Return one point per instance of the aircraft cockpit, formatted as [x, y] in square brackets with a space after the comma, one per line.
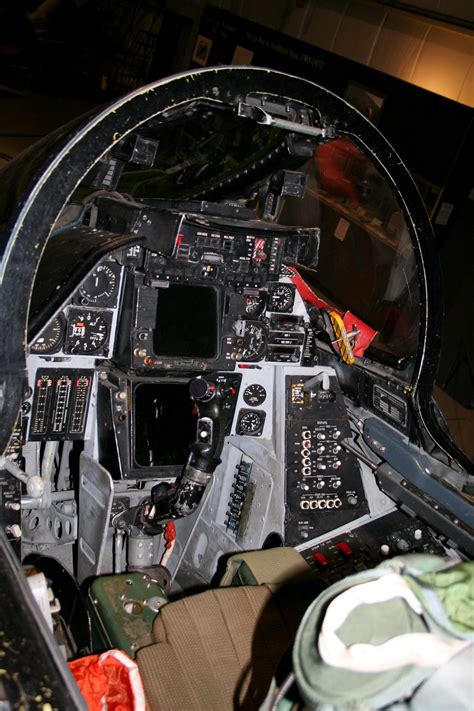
[221, 309]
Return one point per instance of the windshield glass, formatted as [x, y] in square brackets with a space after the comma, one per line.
[367, 262]
[198, 147]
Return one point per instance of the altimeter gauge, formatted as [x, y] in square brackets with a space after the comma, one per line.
[87, 331]
[100, 285]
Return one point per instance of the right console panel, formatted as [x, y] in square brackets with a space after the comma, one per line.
[323, 483]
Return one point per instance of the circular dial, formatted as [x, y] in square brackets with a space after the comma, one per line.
[281, 298]
[251, 422]
[87, 332]
[254, 304]
[254, 395]
[50, 337]
[101, 284]
[254, 341]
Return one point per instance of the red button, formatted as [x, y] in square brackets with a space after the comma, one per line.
[320, 559]
[344, 548]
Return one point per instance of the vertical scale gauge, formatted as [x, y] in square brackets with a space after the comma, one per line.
[80, 403]
[62, 403]
[41, 404]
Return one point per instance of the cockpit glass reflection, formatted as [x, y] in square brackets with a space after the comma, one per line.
[367, 262]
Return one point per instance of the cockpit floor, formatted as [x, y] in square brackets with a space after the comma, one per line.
[187, 582]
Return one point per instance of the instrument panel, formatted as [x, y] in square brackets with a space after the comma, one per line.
[86, 323]
[118, 357]
[221, 298]
[217, 300]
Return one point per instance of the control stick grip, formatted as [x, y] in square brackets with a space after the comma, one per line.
[201, 391]
[202, 460]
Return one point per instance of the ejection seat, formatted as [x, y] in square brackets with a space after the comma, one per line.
[219, 650]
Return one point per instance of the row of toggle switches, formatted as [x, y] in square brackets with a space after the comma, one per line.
[326, 449]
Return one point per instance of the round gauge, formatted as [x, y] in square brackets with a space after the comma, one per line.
[281, 298]
[251, 423]
[254, 304]
[254, 395]
[254, 341]
[50, 337]
[101, 284]
[87, 332]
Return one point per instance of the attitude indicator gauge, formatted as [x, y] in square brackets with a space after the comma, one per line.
[87, 331]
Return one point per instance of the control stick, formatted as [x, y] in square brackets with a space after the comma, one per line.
[183, 499]
[203, 456]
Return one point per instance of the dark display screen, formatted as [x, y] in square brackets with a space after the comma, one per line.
[186, 322]
[164, 422]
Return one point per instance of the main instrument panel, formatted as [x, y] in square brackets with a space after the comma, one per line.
[114, 363]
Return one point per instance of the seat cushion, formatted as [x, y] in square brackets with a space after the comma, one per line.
[274, 566]
[219, 649]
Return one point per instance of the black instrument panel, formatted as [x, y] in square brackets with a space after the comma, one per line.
[223, 271]
[321, 477]
[60, 403]
[205, 305]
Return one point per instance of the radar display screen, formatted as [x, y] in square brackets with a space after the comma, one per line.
[186, 322]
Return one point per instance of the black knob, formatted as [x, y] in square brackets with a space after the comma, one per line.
[200, 389]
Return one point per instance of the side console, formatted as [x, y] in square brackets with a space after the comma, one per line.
[323, 484]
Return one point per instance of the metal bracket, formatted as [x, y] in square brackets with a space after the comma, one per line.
[299, 121]
[418, 468]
